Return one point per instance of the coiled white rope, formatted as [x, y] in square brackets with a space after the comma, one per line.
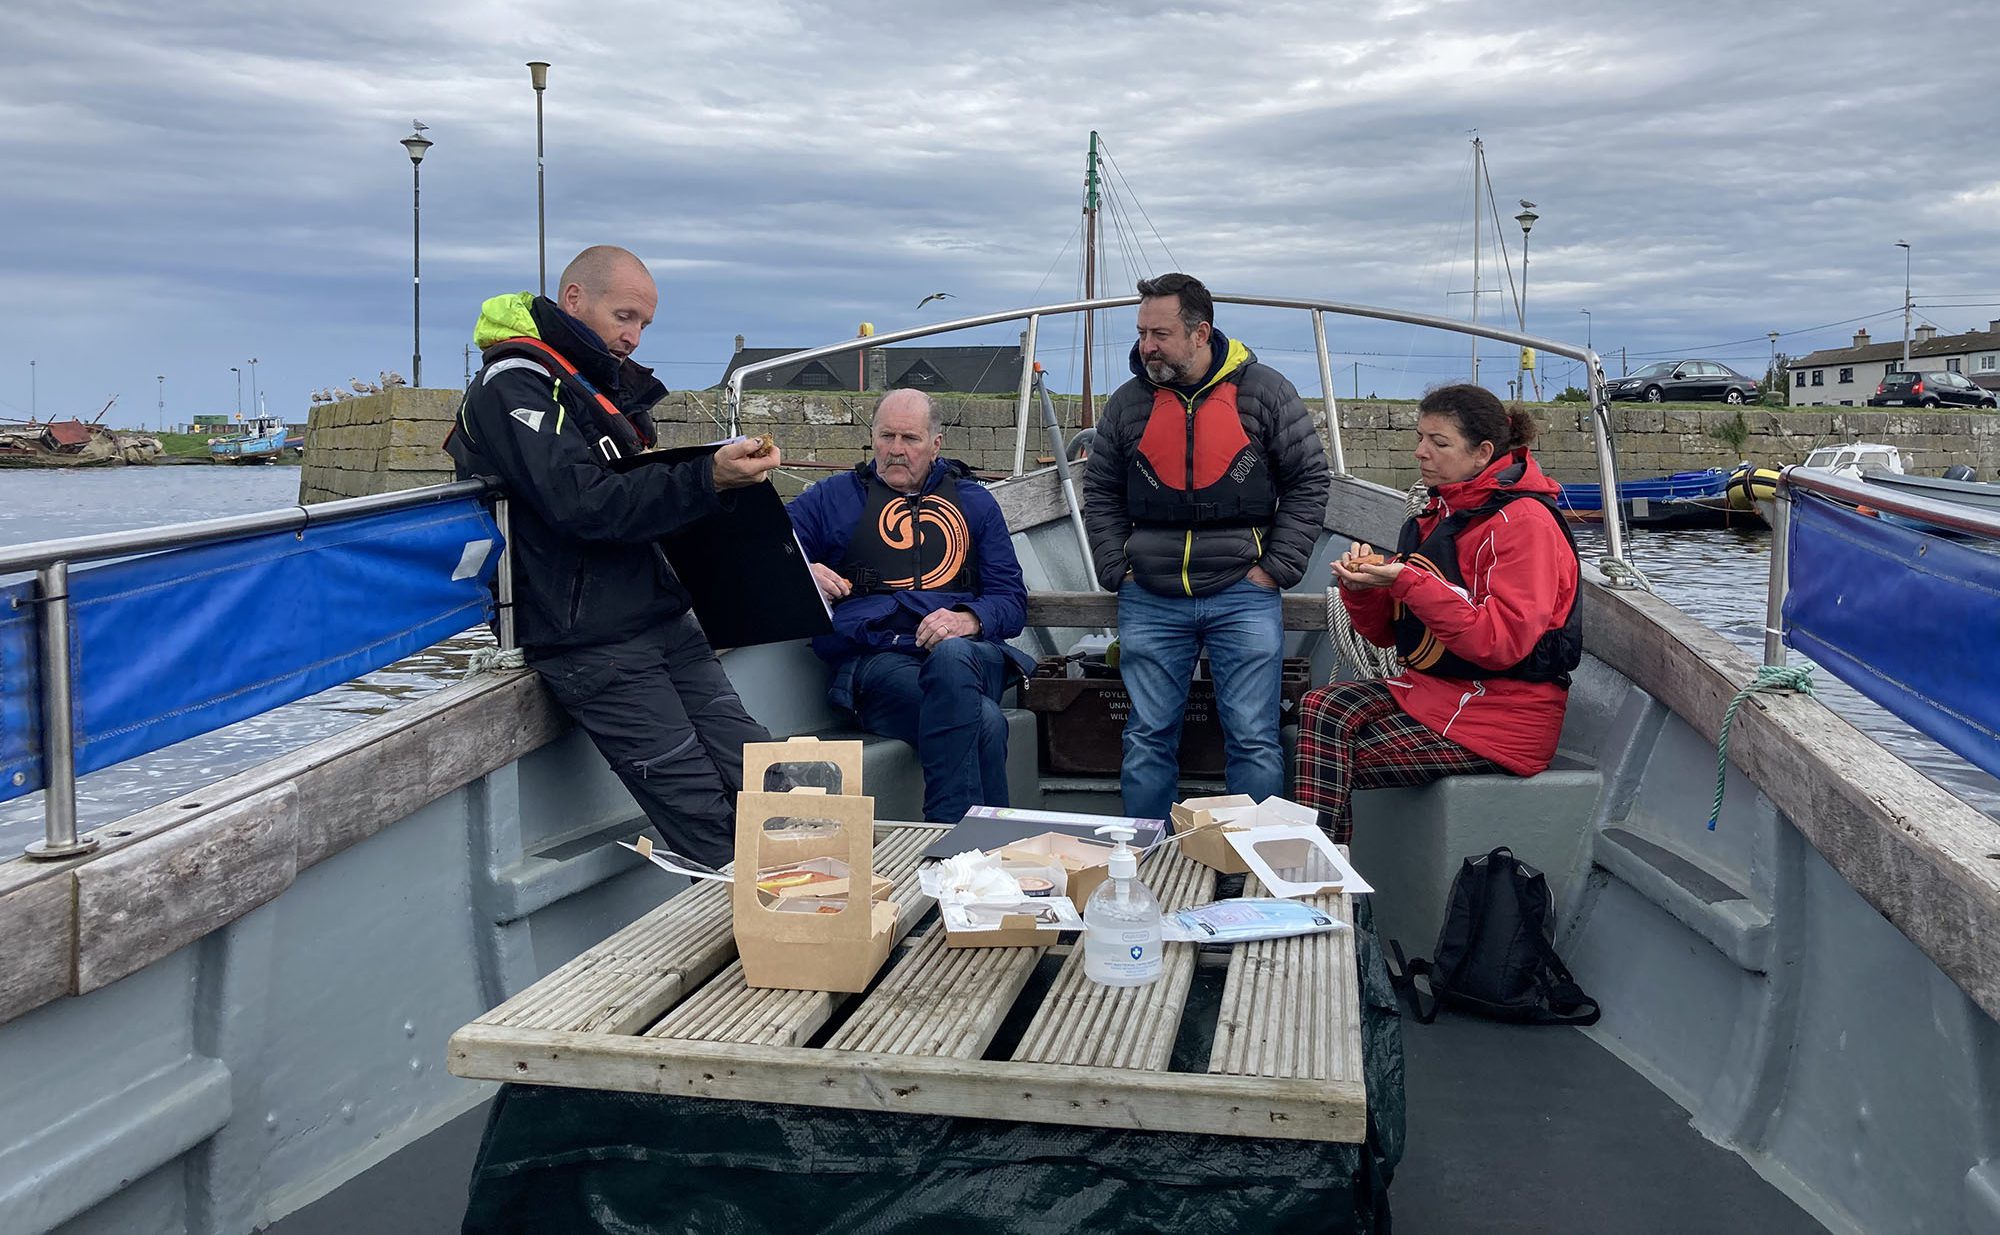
[490, 660]
[1363, 657]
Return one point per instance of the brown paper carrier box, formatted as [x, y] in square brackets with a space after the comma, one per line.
[807, 951]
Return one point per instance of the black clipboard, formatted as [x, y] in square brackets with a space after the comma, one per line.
[742, 566]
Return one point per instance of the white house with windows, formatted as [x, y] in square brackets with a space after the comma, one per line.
[1848, 376]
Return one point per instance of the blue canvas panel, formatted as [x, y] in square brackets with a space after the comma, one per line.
[1906, 618]
[176, 644]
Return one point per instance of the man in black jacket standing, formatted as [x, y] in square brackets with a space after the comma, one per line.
[1205, 492]
[598, 611]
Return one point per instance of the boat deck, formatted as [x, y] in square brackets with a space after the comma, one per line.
[662, 1007]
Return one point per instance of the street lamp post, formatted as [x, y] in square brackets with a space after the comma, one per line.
[538, 75]
[416, 143]
[34, 414]
[160, 408]
[255, 411]
[1904, 245]
[1526, 219]
[239, 390]
[1773, 336]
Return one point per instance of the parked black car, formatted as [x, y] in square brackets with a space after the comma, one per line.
[1930, 389]
[1671, 381]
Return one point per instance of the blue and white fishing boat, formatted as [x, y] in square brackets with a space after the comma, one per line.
[263, 440]
[231, 1011]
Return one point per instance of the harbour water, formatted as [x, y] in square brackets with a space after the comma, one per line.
[1718, 576]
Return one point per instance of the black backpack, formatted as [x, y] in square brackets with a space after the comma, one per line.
[1496, 955]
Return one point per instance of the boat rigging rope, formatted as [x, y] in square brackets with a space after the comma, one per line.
[1367, 660]
[1769, 679]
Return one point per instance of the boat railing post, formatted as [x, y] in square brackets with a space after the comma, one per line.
[58, 732]
[1774, 595]
[503, 577]
[1607, 474]
[1027, 390]
[1338, 456]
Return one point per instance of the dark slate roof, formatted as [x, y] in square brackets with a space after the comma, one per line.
[958, 370]
[1942, 345]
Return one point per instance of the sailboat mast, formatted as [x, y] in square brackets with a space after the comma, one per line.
[1478, 172]
[1089, 270]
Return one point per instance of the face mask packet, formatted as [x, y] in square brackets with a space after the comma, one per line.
[1248, 918]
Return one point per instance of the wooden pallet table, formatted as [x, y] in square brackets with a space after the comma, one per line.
[661, 1008]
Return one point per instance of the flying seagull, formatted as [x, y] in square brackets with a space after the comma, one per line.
[419, 125]
[935, 296]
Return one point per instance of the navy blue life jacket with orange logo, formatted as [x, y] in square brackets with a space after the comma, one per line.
[911, 542]
[1556, 653]
[1196, 466]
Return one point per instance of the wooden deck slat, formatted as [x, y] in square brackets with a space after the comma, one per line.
[727, 1010]
[1083, 1023]
[1280, 1016]
[939, 1000]
[625, 982]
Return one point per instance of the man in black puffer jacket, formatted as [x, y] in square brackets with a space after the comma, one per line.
[1205, 492]
[598, 611]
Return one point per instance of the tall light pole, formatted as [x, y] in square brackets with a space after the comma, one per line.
[239, 390]
[255, 411]
[1526, 219]
[160, 410]
[538, 74]
[1904, 245]
[416, 143]
[1589, 323]
[1773, 336]
[33, 412]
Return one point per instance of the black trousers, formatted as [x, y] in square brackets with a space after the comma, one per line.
[663, 713]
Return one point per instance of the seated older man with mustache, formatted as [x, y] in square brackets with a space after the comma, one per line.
[914, 557]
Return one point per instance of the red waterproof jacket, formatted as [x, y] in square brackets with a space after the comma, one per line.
[1521, 579]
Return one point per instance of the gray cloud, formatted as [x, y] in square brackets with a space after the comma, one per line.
[191, 188]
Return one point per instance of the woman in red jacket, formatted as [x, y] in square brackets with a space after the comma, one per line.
[1480, 602]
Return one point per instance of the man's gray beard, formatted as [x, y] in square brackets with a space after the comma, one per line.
[1164, 374]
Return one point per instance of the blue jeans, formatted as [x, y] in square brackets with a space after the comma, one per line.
[945, 703]
[1159, 640]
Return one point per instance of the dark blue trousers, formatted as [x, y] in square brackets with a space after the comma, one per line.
[946, 704]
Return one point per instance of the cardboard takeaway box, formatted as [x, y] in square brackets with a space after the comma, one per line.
[1216, 817]
[814, 941]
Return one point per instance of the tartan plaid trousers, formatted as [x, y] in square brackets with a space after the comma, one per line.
[1352, 735]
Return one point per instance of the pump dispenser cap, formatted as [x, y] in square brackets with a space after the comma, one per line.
[1124, 864]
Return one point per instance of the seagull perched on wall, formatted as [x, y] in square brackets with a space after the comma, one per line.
[935, 296]
[392, 378]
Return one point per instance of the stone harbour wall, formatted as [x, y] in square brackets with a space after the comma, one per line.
[377, 444]
[394, 440]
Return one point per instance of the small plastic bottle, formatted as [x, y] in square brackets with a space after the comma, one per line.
[1121, 924]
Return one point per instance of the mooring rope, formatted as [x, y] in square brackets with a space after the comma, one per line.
[1770, 679]
[1616, 568]
[488, 660]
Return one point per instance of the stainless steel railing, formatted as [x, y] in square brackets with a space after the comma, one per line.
[1607, 465]
[51, 560]
[1971, 520]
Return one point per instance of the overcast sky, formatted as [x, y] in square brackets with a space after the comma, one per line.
[191, 186]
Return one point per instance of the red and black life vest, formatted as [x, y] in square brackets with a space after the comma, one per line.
[911, 542]
[1196, 465]
[1556, 653]
[613, 433]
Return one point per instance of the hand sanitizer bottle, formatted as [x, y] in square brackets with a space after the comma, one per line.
[1121, 924]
